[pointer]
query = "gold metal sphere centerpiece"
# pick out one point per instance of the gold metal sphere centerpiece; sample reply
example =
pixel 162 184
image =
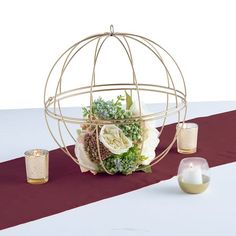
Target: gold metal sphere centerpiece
pixel 91 68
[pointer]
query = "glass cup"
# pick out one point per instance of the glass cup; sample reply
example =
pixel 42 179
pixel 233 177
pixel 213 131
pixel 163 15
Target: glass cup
pixel 193 175
pixel 187 138
pixel 37 164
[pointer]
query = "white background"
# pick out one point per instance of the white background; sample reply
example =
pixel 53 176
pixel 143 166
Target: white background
pixel 199 34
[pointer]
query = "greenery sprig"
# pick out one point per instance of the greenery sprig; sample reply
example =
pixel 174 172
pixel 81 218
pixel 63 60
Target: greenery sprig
pixel 125 163
pixel 113 110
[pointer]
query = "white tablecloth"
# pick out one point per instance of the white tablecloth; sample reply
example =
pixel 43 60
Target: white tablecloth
pixel 159 209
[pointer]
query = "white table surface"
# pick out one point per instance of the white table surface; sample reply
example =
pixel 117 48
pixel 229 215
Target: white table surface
pixel 159 209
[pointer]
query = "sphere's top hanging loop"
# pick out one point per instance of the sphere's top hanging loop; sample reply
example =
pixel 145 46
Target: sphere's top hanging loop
pixel 111 30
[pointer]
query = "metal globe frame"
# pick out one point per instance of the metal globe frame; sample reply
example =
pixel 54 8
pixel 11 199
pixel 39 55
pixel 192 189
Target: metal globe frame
pixel 53 109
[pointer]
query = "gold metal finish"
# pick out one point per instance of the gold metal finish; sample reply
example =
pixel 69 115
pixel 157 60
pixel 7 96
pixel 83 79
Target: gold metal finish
pixel 37 164
pixel 52 103
pixel 194 188
pixel 187 138
pixel 186 151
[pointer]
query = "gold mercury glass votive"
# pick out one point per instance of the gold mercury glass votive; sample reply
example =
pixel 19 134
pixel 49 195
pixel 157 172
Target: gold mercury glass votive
pixel 37 164
pixel 187 138
pixel 193 175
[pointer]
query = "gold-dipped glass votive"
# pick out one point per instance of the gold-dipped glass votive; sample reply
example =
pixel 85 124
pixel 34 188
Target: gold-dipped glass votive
pixel 37 165
pixel 193 175
pixel 187 138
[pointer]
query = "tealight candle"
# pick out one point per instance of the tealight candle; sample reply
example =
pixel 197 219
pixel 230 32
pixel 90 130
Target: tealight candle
pixel 36 162
pixel 193 175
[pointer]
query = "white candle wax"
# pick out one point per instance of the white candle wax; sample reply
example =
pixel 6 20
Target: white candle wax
pixel 192 175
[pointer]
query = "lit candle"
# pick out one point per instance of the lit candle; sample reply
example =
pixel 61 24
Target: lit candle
pixel 192 175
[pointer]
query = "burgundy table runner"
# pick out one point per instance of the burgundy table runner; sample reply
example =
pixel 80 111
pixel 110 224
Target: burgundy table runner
pixel 69 188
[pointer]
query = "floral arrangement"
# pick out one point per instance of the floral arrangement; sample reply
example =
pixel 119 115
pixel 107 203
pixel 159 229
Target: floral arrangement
pixel 124 148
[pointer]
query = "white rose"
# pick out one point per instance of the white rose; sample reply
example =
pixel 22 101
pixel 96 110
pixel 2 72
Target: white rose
pixel 114 139
pixel 150 142
pixel 135 108
pixel 150 136
pixel 144 111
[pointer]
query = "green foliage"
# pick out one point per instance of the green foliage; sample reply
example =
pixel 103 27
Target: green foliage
pixel 146 169
pixel 125 163
pixel 113 110
pixel 107 109
pixel 132 131
pixel 129 101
